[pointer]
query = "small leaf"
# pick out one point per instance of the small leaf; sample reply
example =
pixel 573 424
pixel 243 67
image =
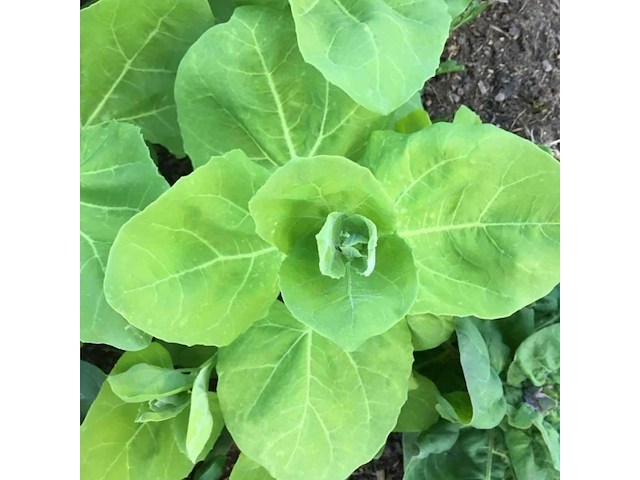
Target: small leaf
pixel 129 55
pixel 465 116
pixel 529 456
pixel 114 447
pixel 413 121
pixel 201 420
pixel 428 331
pixel 483 383
pixel 247 469
pixel 143 382
pixel 117 180
pixel 180 427
pixel 537 359
pixel 419 412
pixel 163 408
pixel 202 274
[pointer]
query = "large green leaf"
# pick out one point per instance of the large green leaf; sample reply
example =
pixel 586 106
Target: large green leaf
pixel 202 274
pixel 117 180
pixel 245 85
pixel 114 447
pixel 486 396
pixel 351 309
pixel 480 208
pixel 537 359
pixel 297 199
pixel 378 51
pixel 474 455
pixel 304 408
pixel 247 469
pixel 129 55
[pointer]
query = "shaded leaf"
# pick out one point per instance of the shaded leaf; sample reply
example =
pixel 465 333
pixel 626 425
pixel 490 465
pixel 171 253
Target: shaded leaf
pixel 117 180
pixel 91 378
pixel 428 331
pixel 419 412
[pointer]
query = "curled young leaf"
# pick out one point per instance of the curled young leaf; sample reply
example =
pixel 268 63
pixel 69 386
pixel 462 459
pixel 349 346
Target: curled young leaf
pixel 143 382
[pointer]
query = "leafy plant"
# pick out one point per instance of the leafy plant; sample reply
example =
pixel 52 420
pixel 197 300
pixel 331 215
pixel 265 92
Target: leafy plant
pixel 328 234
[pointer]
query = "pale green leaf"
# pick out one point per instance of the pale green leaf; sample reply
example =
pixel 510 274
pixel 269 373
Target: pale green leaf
pixel 428 331
pixel 114 447
pixel 160 411
pixel 180 427
pixel 456 7
pixel 143 382
pixel 475 455
pixel 419 412
pixel 244 85
pixel 297 199
pixel 480 209
pixel 117 180
pixel 465 116
pixel 412 122
pixel 304 408
pixel 351 309
pixel 537 359
pixel 247 469
pixel 201 422
pixel 378 51
pixel 483 383
pixel 202 274
pixel 129 55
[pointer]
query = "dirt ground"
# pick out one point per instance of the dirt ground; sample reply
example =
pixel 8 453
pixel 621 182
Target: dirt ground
pixel 511 57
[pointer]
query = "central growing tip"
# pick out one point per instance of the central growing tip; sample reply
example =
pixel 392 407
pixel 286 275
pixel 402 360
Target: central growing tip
pixel 347 240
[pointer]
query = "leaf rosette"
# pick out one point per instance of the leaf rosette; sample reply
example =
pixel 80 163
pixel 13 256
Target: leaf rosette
pixel 346 274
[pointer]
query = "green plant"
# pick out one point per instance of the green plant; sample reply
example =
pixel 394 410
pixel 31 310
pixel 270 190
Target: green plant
pixel 318 178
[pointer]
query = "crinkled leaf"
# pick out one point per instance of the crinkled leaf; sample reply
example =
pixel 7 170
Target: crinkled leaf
pixel 247 469
pixel 244 85
pixel 465 116
pixel 353 308
pixel 484 386
pixel 475 455
pixel 428 331
pixel 529 456
pixel 304 408
pixel 129 55
pixel 419 412
pixel 378 51
pixel 117 180
pixel 480 209
pixel 114 447
pixel 297 199
pixel 202 274
pixel 143 382
pixel 201 421
pixel 537 359
pixel 91 379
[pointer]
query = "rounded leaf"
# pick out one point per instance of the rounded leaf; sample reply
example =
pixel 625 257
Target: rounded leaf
pixel 378 51
pixel 190 268
pixel 353 308
pixel 480 208
pixel 301 406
